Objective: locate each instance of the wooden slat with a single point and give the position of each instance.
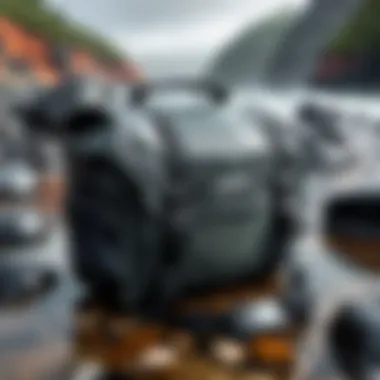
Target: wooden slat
(52, 191)
(364, 252)
(118, 343)
(224, 298)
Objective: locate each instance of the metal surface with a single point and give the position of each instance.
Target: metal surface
(36, 326)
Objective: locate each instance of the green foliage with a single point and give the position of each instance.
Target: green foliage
(362, 33)
(39, 19)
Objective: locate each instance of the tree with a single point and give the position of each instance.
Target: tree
(362, 33)
(37, 18)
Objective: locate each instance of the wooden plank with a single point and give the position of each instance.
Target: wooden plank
(223, 299)
(363, 252)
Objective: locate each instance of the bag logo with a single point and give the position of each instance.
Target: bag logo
(233, 183)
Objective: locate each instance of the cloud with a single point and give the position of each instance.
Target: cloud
(159, 31)
(137, 15)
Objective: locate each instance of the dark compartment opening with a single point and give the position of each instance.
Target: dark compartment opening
(360, 217)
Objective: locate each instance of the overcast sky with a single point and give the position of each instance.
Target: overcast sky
(170, 36)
